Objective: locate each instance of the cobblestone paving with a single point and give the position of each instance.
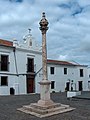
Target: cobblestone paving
(9, 105)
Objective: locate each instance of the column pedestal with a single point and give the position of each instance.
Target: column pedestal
(45, 106)
(45, 93)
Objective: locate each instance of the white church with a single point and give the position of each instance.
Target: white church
(21, 70)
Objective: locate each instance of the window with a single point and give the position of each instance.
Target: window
(4, 81)
(30, 42)
(65, 70)
(52, 84)
(81, 72)
(4, 63)
(52, 70)
(89, 85)
(30, 65)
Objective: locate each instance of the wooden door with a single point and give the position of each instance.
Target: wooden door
(30, 85)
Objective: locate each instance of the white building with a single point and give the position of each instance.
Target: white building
(65, 75)
(89, 78)
(21, 69)
(18, 65)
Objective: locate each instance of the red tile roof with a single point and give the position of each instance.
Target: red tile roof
(6, 43)
(58, 62)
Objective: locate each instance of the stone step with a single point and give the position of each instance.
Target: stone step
(51, 112)
(45, 111)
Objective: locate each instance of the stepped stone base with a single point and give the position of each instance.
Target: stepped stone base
(45, 111)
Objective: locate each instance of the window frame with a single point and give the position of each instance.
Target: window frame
(52, 84)
(65, 71)
(5, 83)
(31, 69)
(52, 70)
(4, 66)
(81, 73)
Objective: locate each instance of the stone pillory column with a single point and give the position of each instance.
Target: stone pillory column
(44, 84)
(45, 106)
(44, 27)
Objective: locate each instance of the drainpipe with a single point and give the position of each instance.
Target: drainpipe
(14, 51)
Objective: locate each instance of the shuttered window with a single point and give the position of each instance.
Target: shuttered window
(4, 63)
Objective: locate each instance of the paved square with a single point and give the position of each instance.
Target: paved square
(9, 105)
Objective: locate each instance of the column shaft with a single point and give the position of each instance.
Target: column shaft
(44, 56)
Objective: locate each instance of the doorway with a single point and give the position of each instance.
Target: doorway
(30, 85)
(89, 85)
(80, 86)
(67, 86)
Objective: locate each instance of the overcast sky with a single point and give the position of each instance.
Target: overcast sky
(68, 37)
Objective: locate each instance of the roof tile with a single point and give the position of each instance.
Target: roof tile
(6, 43)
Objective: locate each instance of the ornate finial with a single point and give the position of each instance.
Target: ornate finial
(29, 30)
(43, 15)
(43, 24)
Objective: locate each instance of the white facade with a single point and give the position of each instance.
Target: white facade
(89, 78)
(21, 81)
(18, 55)
(72, 76)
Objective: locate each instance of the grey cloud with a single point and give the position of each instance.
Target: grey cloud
(69, 25)
(85, 44)
(84, 3)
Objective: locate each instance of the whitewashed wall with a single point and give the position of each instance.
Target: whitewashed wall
(22, 52)
(19, 82)
(89, 78)
(73, 73)
(38, 77)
